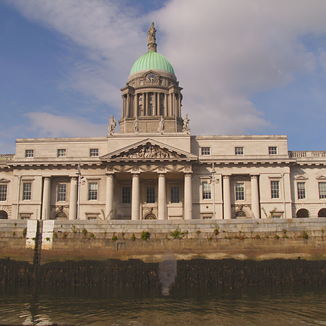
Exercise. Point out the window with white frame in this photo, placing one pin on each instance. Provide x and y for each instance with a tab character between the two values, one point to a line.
150	194
61	152
272	150
205	150
275	189
125	195
175	194
93	152
29	153
301	189
322	190
27	190
92	191
3	192
238	150
61	192
206	190
239	190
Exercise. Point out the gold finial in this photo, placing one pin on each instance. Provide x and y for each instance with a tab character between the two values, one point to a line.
151	38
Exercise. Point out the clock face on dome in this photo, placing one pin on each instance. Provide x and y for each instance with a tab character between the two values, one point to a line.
151	77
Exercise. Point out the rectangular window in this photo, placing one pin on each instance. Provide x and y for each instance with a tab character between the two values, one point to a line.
92	191
93	152
175	195
272	150
3	192
205	151
206	190
126	195
150	194
275	189
27	191
61	152
238	150
322	190
29	153
301	190
61	192
239	191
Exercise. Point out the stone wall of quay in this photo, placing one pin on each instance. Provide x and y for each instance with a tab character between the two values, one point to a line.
152	240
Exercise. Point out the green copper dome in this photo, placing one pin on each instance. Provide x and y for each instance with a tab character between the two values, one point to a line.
152	61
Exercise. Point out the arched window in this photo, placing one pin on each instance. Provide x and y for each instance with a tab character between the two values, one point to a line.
3	215
322	212
301	213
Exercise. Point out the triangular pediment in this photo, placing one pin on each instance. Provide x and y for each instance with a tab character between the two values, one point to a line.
149	149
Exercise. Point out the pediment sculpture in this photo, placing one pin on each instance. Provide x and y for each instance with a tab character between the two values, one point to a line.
149	151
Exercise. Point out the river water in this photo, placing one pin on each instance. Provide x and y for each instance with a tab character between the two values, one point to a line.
296	308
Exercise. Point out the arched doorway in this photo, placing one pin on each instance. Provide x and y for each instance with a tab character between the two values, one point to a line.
302	213
3	215
322	212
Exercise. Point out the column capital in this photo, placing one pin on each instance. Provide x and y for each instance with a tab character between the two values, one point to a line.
109	173
254	175
226	176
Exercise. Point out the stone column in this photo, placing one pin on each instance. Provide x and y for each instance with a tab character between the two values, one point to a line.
135	197
46	198
158	110
123	106
161	197
166	110
128	106
226	197
154	104
109	196
135	105
187	197
255	196
73	198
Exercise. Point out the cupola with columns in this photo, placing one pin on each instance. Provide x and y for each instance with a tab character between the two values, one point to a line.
152	97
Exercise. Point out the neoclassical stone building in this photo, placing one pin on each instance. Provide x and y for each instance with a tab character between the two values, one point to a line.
153	168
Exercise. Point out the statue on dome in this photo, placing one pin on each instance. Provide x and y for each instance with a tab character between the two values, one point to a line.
185	127
111	126
161	125
151	38
136	125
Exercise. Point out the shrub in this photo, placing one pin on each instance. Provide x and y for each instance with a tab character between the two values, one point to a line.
257	237
84	232
177	234
305	235
216	231
145	235
276	236
133	237
114	237
24	232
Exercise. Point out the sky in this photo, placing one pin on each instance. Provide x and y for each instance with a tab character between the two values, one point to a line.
246	67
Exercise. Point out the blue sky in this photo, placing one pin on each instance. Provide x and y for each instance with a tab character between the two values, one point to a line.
258	68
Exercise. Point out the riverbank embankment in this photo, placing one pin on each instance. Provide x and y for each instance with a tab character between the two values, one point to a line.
151	240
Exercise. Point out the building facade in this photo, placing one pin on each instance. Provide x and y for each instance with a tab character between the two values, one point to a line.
153	168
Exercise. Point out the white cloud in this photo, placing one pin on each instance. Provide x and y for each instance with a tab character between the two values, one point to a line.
223	51
51	125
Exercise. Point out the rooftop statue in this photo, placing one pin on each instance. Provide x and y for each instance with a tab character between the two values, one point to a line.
151	38
111	126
